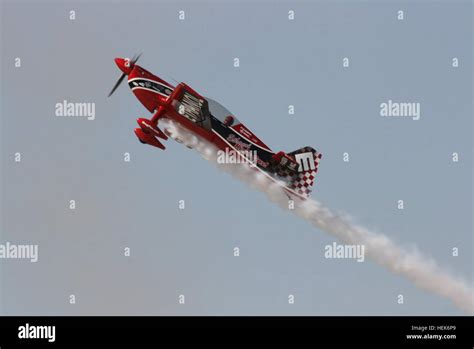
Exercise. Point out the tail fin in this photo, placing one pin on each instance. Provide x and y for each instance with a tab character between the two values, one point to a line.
308	160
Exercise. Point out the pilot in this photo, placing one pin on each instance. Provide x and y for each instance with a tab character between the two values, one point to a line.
229	121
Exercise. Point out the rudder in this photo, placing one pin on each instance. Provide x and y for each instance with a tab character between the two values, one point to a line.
308	161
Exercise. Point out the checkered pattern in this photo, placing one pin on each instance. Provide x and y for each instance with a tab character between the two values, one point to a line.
303	181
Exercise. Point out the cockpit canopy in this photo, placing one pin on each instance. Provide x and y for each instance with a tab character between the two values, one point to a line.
221	113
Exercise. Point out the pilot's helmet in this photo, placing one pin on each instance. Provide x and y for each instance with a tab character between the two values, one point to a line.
229	120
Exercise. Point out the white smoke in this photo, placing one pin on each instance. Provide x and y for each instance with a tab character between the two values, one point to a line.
422	271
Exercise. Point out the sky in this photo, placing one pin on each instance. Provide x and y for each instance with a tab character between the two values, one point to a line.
190	252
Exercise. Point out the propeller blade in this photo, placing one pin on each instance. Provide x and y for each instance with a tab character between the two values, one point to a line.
127	70
117	84
134	60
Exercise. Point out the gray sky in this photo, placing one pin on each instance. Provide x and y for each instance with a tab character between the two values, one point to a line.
190	251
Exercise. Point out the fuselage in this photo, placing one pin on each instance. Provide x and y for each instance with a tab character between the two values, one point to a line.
154	93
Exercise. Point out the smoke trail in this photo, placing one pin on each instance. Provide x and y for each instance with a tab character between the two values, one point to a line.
422	271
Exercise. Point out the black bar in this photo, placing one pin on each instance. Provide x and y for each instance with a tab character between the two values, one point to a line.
334	331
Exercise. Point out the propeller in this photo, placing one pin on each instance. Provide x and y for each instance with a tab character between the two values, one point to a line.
117	84
135	59
126	70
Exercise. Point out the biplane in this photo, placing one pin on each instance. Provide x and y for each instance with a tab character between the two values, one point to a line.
205	118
